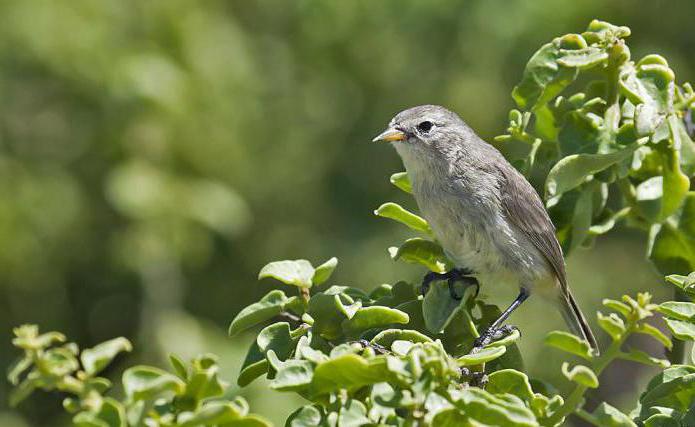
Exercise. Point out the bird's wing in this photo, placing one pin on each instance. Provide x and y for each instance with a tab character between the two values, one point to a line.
525	210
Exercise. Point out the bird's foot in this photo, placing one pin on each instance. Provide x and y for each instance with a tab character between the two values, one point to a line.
475	378
378	349
452	276
492	334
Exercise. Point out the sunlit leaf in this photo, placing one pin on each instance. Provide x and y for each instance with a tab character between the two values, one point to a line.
569	343
398	213
298	272
268	307
581	375
424	252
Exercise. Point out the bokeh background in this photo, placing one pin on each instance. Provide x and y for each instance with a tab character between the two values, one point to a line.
154	155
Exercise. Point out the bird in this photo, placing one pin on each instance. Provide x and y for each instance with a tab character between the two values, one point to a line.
488	218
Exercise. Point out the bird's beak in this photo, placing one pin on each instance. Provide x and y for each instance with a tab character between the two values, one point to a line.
390	135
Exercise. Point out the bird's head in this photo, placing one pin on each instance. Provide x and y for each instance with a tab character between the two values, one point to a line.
425	130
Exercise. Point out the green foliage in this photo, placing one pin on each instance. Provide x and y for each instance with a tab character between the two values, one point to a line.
192	396
599	125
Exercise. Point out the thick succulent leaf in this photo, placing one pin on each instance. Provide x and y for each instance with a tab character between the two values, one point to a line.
353	414
423	252
147	383
254	365
569	343
268	307
298	272
397	213
680	329
401	181
543	77
498	410
673	388
582	58
483	356
572	170
292	375
97	358
672	244
374	317
439	308
685	283
510	381
612	324
324	271
608	416
306	416
348	371
644	358
647	329
329	310
581	375
678	310
386	337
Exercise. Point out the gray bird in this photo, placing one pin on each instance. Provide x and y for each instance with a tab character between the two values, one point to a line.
487	217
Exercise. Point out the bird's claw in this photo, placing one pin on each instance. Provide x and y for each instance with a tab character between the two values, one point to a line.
492	334
475	378
452	276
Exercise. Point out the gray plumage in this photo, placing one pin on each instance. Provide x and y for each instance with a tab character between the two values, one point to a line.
486	215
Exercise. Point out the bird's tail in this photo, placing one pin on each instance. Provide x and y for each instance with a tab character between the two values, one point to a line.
576	320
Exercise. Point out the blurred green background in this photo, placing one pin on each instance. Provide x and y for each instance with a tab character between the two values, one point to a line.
155	154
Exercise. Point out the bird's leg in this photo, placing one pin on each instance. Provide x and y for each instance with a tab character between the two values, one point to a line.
452	276
497	330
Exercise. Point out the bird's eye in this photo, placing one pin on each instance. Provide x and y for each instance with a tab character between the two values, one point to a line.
424	126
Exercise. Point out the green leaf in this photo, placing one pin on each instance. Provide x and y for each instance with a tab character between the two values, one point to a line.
510	381
618	306
678	310
581	375
374	317
306	416
147	383
228	414
608	416
582	58
398	213
439	308
639	356
673	388
423	252
254	365
572	170
18	368
97	358
497	410
277	337
647	329
292	375
329	309
401	181
268	307
612	324
386	337
684	331
483	356
685	283
348	371
298	272
179	366
543	78
672	244
324	271
353	414
569	343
